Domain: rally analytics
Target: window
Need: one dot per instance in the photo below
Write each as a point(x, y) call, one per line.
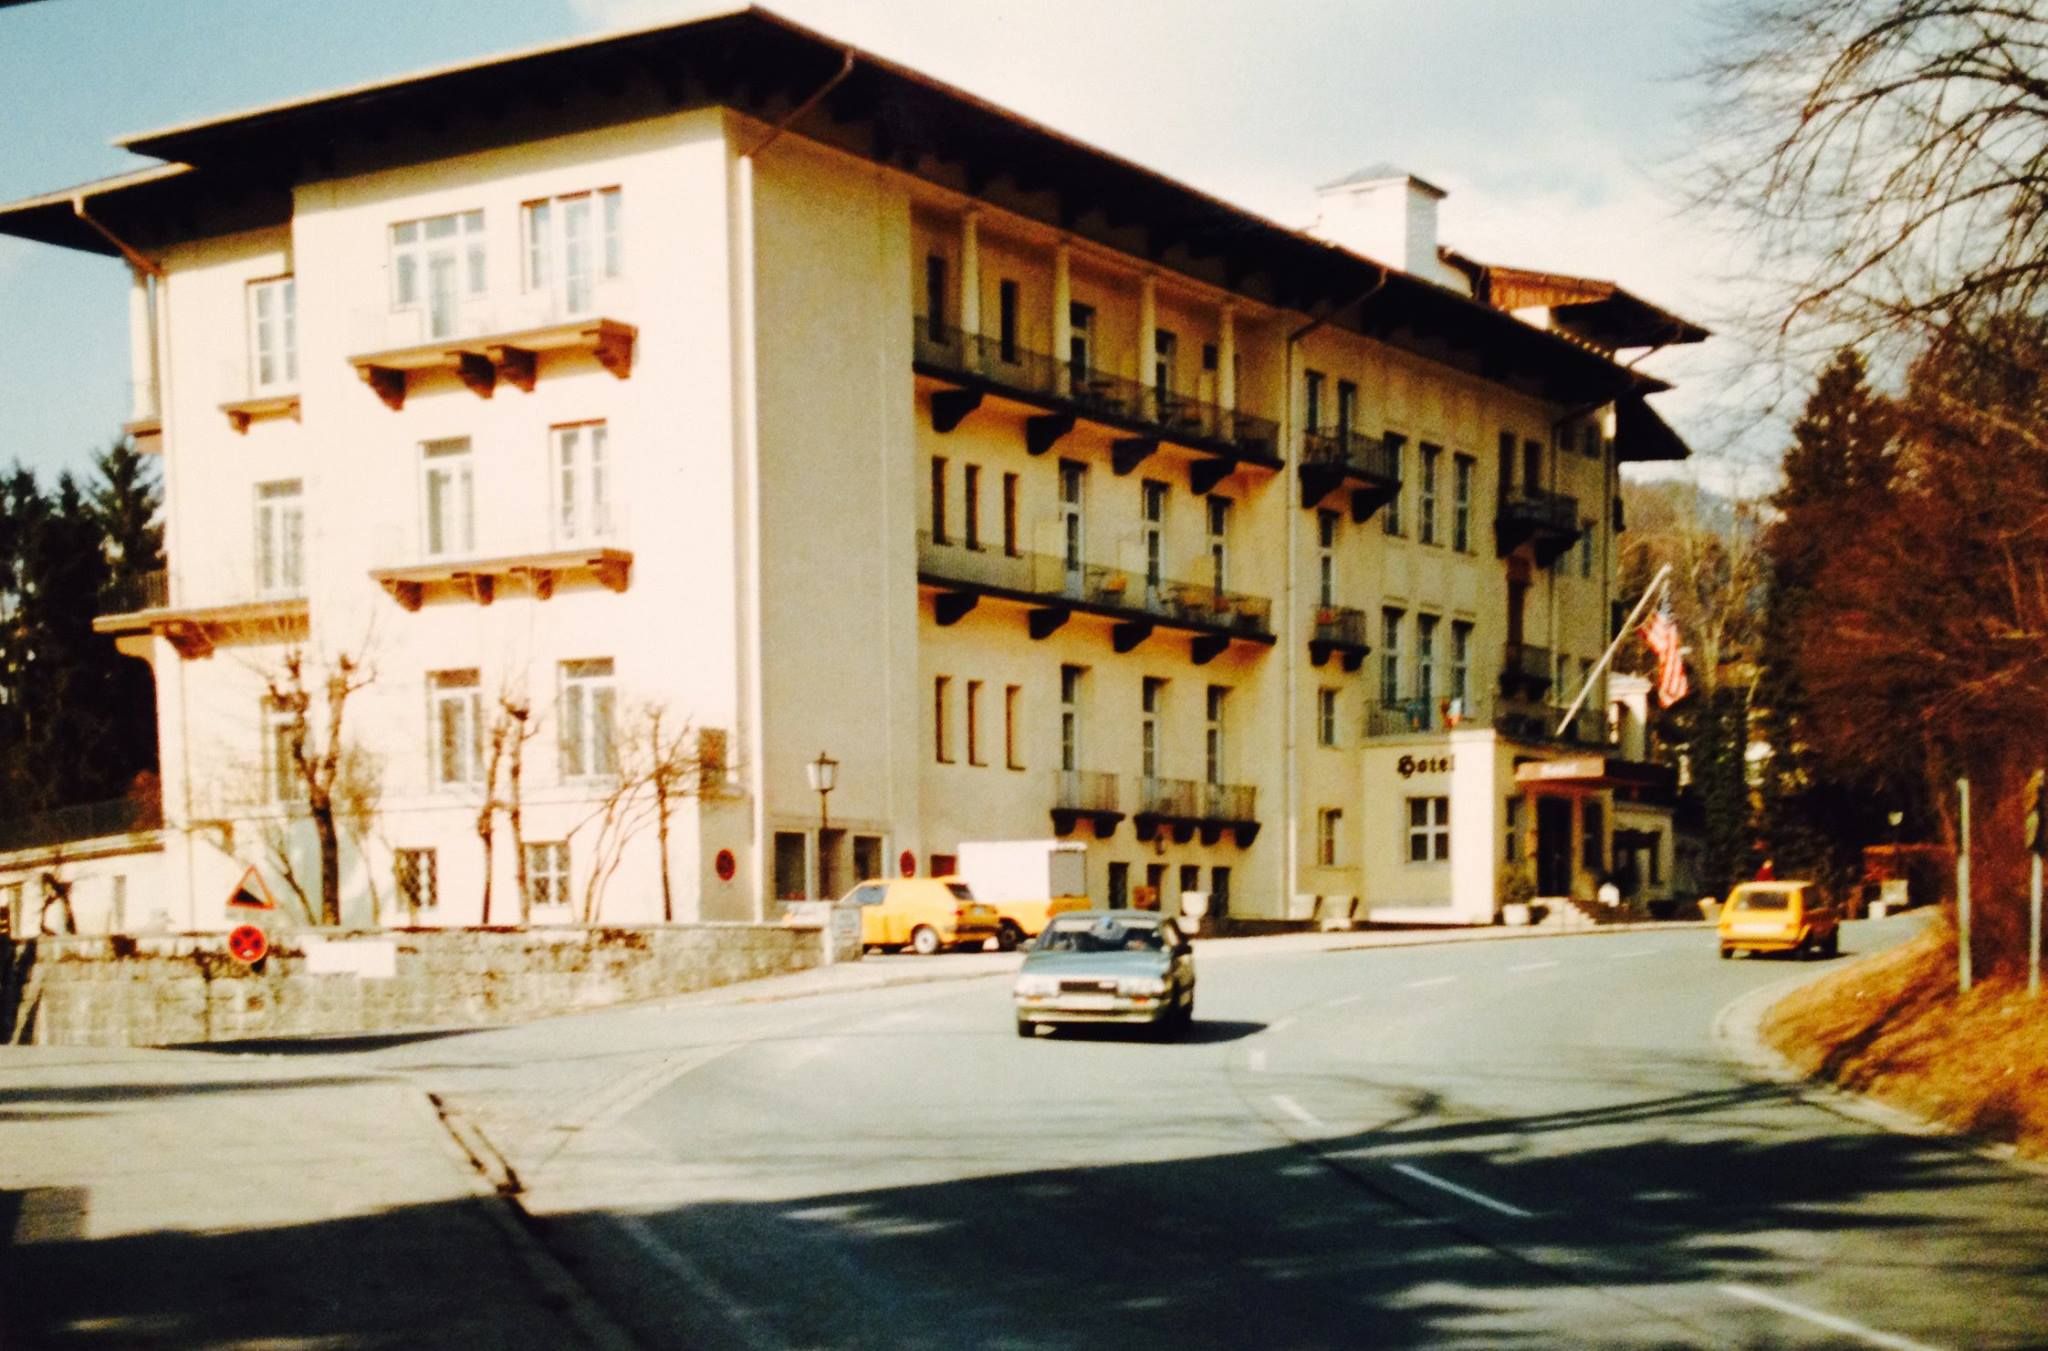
point(1347, 412)
point(1165, 347)
point(1586, 548)
point(1429, 829)
point(938, 499)
point(942, 706)
point(1150, 697)
point(1215, 767)
point(415, 878)
point(867, 856)
point(1326, 558)
point(1190, 877)
point(1070, 717)
point(280, 539)
point(1589, 441)
point(281, 767)
point(1219, 892)
point(1532, 465)
point(1312, 400)
point(1013, 696)
point(1006, 311)
point(1154, 512)
point(547, 873)
point(436, 263)
point(1512, 845)
point(790, 882)
point(1219, 543)
point(1390, 656)
point(1461, 662)
point(567, 263)
point(273, 335)
point(1462, 467)
point(1390, 519)
point(583, 482)
point(448, 492)
point(974, 722)
point(970, 516)
point(1432, 460)
point(1119, 885)
point(1425, 658)
point(455, 717)
point(1326, 717)
point(1329, 823)
point(1010, 515)
point(1080, 341)
point(586, 722)
point(1592, 836)
point(1071, 472)
point(935, 297)
point(1507, 464)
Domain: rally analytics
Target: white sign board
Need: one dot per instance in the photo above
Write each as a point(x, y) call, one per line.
point(364, 958)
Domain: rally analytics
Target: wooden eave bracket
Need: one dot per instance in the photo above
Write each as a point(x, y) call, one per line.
point(191, 639)
point(388, 382)
point(241, 412)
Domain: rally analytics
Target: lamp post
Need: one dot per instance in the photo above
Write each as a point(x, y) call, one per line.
point(824, 774)
point(1897, 818)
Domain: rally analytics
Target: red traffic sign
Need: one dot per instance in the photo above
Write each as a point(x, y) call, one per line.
point(247, 944)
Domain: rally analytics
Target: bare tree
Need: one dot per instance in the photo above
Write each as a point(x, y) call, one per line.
point(1718, 570)
point(487, 814)
point(662, 761)
point(313, 748)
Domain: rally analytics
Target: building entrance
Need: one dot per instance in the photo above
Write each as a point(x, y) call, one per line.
point(1553, 846)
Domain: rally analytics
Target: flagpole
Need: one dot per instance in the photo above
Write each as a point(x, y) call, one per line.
point(1627, 627)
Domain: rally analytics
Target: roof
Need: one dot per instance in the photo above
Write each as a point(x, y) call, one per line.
point(243, 167)
point(1382, 172)
point(1595, 311)
point(1641, 436)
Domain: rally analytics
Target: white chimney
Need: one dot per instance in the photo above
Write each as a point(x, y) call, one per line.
point(1389, 215)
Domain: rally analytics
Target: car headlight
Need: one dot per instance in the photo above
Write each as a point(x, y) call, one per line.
point(1035, 987)
point(1142, 985)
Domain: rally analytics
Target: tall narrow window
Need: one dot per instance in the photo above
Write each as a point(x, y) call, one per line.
point(1154, 528)
point(938, 499)
point(1425, 659)
point(281, 765)
point(587, 723)
point(448, 497)
point(1532, 466)
point(1507, 465)
point(1461, 661)
point(1511, 820)
point(455, 711)
point(1006, 311)
point(1461, 503)
point(970, 502)
point(1072, 543)
point(974, 722)
point(583, 482)
point(1070, 717)
point(280, 539)
point(935, 306)
point(942, 714)
point(1312, 400)
point(1165, 350)
point(1586, 547)
point(1390, 515)
point(273, 335)
point(1390, 656)
point(436, 264)
point(1214, 738)
point(1080, 343)
point(1329, 825)
point(1589, 441)
point(1347, 412)
point(1326, 717)
point(1219, 544)
point(1150, 697)
point(1013, 696)
point(1326, 558)
point(1432, 462)
point(573, 243)
point(1010, 515)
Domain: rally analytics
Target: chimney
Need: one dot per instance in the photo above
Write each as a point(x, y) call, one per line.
point(1389, 215)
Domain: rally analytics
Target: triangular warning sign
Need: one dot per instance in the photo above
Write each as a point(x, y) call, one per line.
point(251, 894)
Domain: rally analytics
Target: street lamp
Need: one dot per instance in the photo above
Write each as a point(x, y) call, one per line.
point(1897, 818)
point(824, 774)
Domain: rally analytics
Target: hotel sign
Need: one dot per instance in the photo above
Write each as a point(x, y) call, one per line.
point(1581, 768)
point(1408, 766)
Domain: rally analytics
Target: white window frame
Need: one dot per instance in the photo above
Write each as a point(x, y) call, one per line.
point(1425, 526)
point(1214, 748)
point(1152, 508)
point(1463, 469)
point(568, 265)
point(547, 873)
point(447, 466)
point(281, 774)
point(1218, 521)
point(1461, 660)
point(1326, 717)
point(1390, 655)
point(1152, 690)
point(281, 538)
point(455, 729)
point(583, 472)
point(1427, 827)
point(1326, 559)
point(1426, 626)
point(273, 335)
point(586, 720)
point(456, 237)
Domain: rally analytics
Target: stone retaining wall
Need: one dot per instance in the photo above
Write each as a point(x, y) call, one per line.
point(172, 989)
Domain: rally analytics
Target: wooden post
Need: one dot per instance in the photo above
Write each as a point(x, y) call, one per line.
point(1963, 887)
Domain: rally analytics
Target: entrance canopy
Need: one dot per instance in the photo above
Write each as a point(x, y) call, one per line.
point(1595, 772)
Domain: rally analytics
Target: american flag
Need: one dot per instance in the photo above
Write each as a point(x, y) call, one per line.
point(1660, 631)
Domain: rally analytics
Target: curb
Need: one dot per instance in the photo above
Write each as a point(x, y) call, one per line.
point(1738, 1031)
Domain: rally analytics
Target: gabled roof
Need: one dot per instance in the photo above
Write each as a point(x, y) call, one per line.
point(1598, 312)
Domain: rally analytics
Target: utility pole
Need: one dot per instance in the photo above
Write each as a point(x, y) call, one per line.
point(2037, 845)
point(1963, 887)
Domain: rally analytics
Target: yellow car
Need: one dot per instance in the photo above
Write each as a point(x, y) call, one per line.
point(926, 913)
point(1020, 920)
point(1795, 917)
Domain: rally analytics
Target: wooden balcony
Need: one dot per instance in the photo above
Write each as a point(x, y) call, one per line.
point(513, 357)
point(480, 579)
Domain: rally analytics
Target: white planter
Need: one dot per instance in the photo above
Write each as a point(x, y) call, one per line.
point(1515, 914)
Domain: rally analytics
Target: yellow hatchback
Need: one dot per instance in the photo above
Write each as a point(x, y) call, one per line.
point(1794, 917)
point(926, 913)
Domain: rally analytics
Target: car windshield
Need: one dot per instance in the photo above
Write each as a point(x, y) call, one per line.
point(1097, 935)
point(1763, 900)
point(960, 891)
point(870, 893)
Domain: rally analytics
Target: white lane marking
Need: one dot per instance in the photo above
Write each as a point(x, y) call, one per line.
point(740, 1321)
point(1533, 966)
point(1282, 1025)
point(1477, 1198)
point(1637, 952)
point(1425, 984)
point(1347, 999)
point(1833, 1322)
point(898, 1019)
point(1256, 1058)
point(1299, 1113)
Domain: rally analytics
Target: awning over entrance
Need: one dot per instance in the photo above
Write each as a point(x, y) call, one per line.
point(1597, 771)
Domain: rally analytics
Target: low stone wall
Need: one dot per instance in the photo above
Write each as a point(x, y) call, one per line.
point(172, 989)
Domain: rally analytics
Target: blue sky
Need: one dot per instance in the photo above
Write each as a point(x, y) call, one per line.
point(1555, 126)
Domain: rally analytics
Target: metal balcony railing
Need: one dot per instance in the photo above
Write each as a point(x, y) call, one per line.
point(1174, 799)
point(131, 595)
point(1412, 717)
point(1350, 451)
point(1085, 790)
point(1339, 626)
point(1535, 508)
point(1525, 663)
point(1231, 802)
point(1541, 723)
point(1096, 394)
point(84, 821)
point(1123, 591)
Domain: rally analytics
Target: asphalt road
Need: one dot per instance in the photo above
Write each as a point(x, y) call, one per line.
point(1532, 1143)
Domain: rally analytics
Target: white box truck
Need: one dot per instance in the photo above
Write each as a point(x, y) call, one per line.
point(1027, 881)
